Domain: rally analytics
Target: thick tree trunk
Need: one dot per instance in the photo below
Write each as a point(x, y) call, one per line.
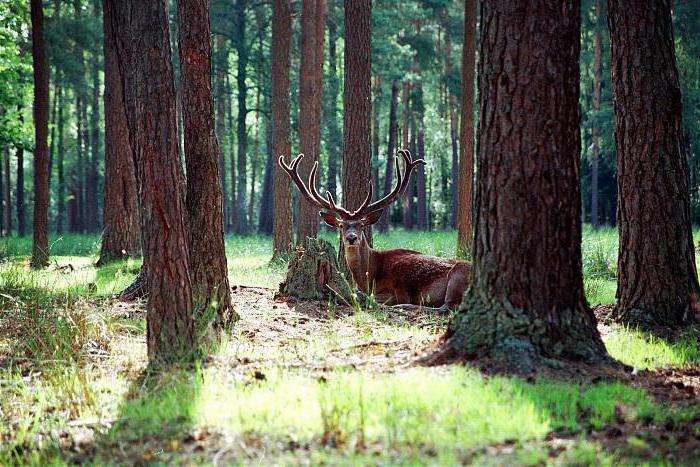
point(310, 91)
point(330, 112)
point(391, 148)
point(60, 167)
point(526, 302)
point(283, 228)
point(597, 81)
point(19, 197)
point(121, 237)
point(241, 128)
point(40, 247)
point(144, 58)
point(357, 105)
point(657, 279)
point(208, 267)
point(465, 178)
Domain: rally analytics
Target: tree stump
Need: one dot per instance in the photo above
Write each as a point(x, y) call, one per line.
point(313, 273)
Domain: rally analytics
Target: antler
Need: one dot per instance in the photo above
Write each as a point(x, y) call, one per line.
point(309, 192)
point(399, 189)
point(328, 203)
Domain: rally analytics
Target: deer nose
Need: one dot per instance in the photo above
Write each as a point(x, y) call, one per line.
point(351, 238)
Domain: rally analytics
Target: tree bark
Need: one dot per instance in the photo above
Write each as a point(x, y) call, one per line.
point(420, 184)
point(465, 178)
point(220, 99)
point(3, 154)
point(407, 196)
point(19, 197)
point(40, 247)
point(526, 303)
point(121, 237)
point(310, 91)
point(357, 105)
point(330, 112)
point(597, 81)
point(283, 228)
point(391, 149)
point(60, 166)
point(657, 278)
point(241, 128)
point(266, 218)
point(144, 58)
point(208, 267)
point(92, 182)
point(8, 194)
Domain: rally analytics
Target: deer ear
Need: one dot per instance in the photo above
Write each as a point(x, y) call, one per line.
point(330, 219)
point(372, 217)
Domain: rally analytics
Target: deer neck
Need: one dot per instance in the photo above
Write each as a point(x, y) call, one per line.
point(360, 261)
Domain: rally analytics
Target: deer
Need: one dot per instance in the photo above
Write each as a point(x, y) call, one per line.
point(398, 277)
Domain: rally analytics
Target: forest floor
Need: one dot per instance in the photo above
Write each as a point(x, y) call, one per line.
point(314, 382)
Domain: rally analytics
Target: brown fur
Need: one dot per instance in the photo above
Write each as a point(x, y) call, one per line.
point(408, 277)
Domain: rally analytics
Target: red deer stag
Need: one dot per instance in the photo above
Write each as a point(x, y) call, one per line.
point(397, 277)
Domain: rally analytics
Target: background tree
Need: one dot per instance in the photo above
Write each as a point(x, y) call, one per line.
point(466, 134)
point(516, 311)
point(357, 103)
point(121, 237)
point(208, 267)
point(144, 58)
point(310, 91)
point(283, 231)
point(40, 249)
point(657, 278)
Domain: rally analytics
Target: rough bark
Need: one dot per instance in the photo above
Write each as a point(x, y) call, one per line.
point(19, 198)
point(357, 105)
point(597, 81)
point(121, 237)
point(406, 199)
point(313, 273)
point(526, 304)
point(465, 179)
point(60, 166)
point(330, 112)
point(208, 267)
point(40, 247)
point(241, 128)
point(220, 75)
point(657, 278)
point(391, 149)
point(144, 58)
point(283, 228)
point(310, 92)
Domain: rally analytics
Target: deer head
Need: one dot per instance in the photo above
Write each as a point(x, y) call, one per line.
point(350, 223)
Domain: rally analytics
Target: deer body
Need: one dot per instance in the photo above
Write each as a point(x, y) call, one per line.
point(396, 277)
point(408, 277)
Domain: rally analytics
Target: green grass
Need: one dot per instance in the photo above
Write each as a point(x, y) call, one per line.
point(64, 357)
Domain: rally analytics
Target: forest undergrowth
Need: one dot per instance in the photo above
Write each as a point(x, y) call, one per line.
point(313, 382)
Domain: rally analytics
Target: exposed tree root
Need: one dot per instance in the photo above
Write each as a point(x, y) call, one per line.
point(137, 289)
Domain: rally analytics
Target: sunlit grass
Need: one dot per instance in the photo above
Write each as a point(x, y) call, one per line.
point(642, 350)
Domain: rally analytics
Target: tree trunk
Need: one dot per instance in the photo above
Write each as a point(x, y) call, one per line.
point(19, 198)
point(144, 57)
point(357, 105)
point(208, 267)
point(3, 155)
point(266, 217)
point(406, 201)
point(657, 279)
point(420, 183)
point(283, 228)
point(526, 304)
point(92, 182)
point(220, 98)
point(40, 247)
point(234, 215)
point(60, 166)
point(330, 112)
point(121, 237)
point(389, 174)
point(8, 194)
point(310, 92)
point(465, 178)
point(375, 134)
point(597, 81)
point(241, 128)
